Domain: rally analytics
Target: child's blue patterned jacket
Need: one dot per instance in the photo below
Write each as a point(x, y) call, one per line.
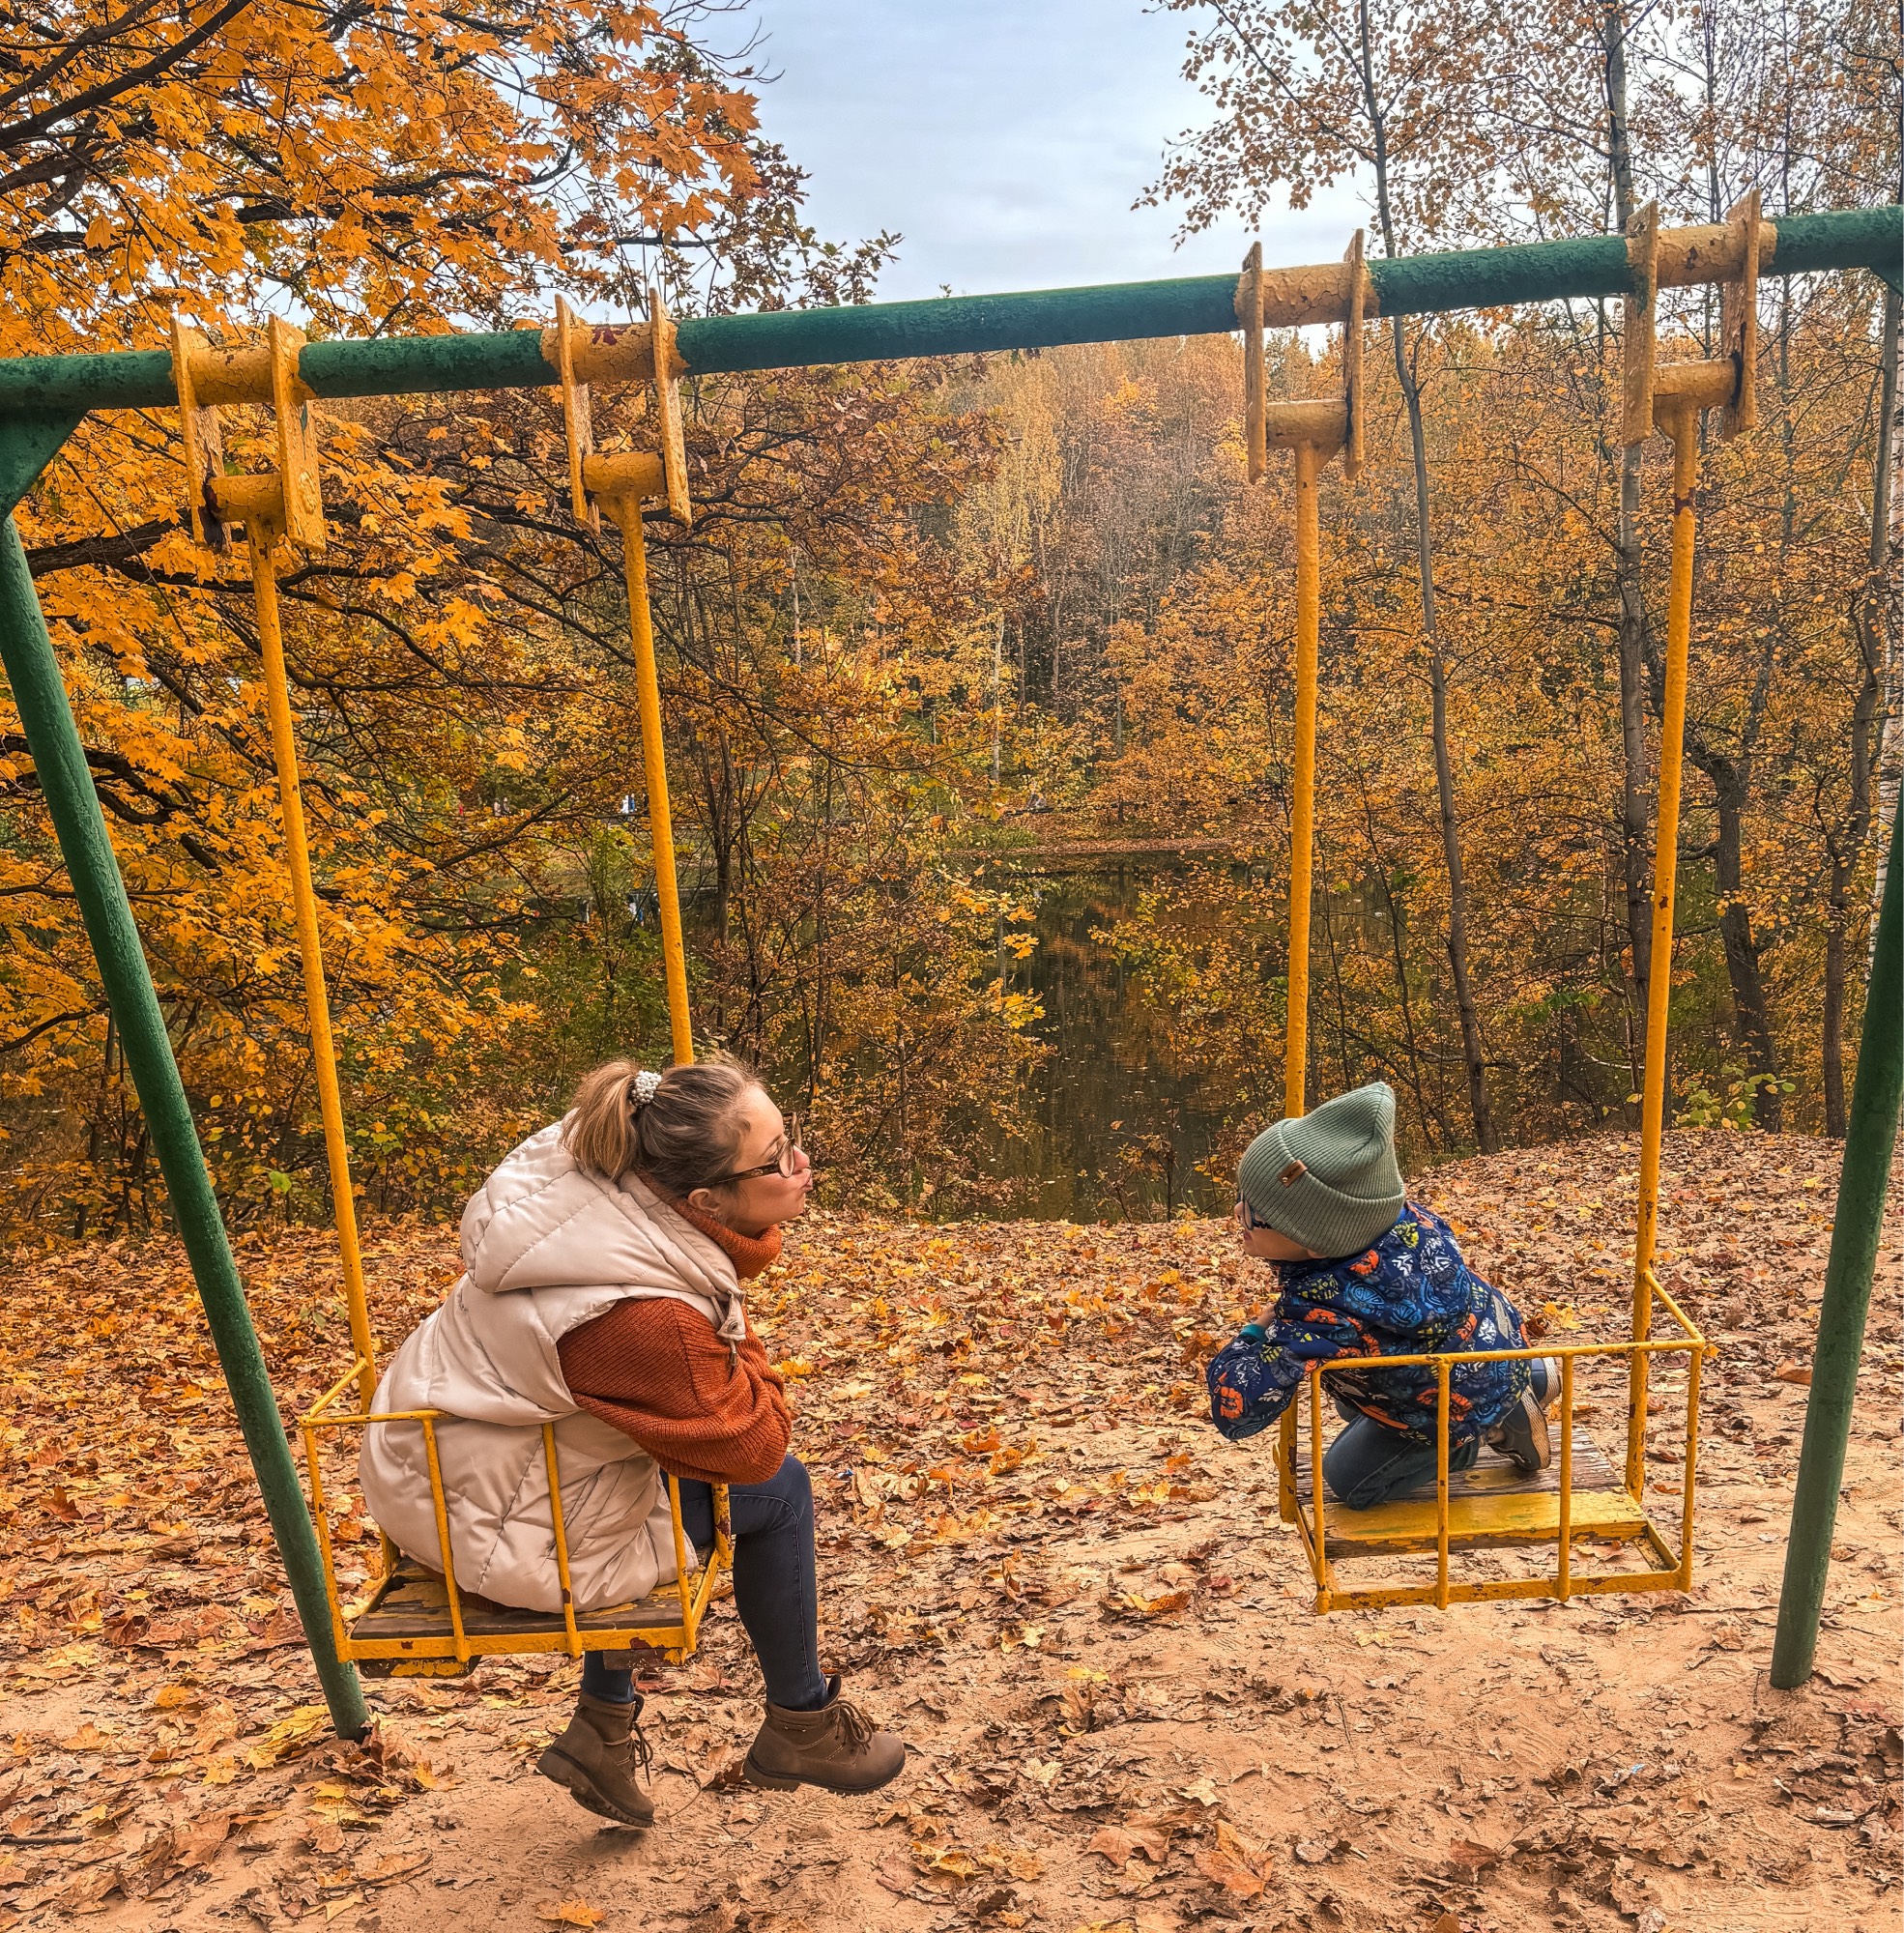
point(1411, 1294)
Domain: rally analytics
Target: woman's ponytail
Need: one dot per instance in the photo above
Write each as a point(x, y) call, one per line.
point(678, 1130)
point(600, 1130)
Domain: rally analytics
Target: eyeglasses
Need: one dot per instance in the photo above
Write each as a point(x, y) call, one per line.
point(1246, 1215)
point(783, 1163)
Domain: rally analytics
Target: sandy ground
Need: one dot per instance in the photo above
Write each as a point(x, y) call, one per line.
point(1040, 1566)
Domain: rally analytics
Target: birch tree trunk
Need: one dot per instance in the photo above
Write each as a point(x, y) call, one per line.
point(1636, 848)
point(1472, 1058)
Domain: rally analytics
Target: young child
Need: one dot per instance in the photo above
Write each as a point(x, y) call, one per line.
point(1364, 1272)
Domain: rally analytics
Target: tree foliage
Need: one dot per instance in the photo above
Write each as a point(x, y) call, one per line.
point(927, 616)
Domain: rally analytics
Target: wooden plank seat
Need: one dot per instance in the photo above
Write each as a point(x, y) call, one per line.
point(411, 1611)
point(1492, 1504)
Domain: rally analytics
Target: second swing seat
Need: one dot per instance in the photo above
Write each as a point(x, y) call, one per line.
point(1493, 1502)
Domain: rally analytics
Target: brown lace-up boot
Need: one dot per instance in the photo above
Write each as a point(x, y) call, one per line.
point(597, 1758)
point(835, 1747)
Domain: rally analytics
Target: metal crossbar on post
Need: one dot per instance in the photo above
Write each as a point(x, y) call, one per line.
point(42, 398)
point(1587, 268)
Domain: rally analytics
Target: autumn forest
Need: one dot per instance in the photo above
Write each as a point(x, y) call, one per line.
point(934, 620)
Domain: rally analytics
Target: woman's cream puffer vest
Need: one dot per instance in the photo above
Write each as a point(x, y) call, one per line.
point(546, 1248)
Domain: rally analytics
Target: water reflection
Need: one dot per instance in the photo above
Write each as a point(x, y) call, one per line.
point(1123, 1119)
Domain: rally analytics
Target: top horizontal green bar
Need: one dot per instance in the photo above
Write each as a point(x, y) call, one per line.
point(1870, 238)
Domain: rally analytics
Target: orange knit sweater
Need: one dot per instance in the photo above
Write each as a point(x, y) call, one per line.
point(658, 1373)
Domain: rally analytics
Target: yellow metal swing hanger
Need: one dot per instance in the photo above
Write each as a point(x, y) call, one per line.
point(413, 1621)
point(1491, 1509)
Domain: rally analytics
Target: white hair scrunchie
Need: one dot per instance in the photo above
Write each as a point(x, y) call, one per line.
point(646, 1085)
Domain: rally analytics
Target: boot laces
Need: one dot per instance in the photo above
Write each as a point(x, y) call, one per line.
point(635, 1745)
point(855, 1727)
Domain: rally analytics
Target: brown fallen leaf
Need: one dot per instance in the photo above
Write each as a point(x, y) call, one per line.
point(1226, 1863)
point(569, 1913)
point(1153, 1844)
point(1471, 1856)
point(1108, 1842)
point(276, 1631)
point(732, 1777)
point(1133, 1605)
point(1120, 1844)
point(390, 1867)
point(1793, 1371)
point(896, 1876)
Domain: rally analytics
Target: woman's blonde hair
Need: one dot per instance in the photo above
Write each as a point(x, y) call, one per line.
point(684, 1135)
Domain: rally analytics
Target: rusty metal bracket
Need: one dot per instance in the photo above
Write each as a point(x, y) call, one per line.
point(577, 417)
point(204, 445)
point(1354, 447)
point(288, 502)
point(667, 366)
point(582, 352)
point(1739, 319)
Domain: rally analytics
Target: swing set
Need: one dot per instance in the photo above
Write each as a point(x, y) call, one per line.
point(413, 1621)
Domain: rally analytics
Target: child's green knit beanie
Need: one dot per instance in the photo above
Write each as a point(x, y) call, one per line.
point(1329, 1179)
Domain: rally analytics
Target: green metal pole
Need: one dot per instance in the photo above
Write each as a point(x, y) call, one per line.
point(1871, 1140)
point(60, 761)
point(1586, 267)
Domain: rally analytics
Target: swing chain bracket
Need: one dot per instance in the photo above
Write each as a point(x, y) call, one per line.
point(1327, 424)
point(1654, 396)
point(583, 353)
point(284, 503)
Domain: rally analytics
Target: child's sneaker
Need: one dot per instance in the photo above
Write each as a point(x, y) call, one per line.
point(1522, 1434)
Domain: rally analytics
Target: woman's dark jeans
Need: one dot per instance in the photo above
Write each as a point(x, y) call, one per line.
point(773, 1585)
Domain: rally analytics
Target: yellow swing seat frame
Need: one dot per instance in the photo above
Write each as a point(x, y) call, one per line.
point(412, 1620)
point(1493, 1506)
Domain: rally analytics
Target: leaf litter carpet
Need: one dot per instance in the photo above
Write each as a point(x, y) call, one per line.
point(1038, 1563)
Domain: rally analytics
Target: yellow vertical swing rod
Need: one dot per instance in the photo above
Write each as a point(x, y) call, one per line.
point(1680, 420)
point(1301, 809)
point(261, 536)
point(626, 510)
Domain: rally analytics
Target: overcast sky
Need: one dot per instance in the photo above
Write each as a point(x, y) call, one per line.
point(1006, 142)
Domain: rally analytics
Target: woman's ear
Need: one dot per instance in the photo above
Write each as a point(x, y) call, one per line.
point(704, 1201)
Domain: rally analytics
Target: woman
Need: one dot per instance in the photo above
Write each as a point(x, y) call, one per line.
point(605, 1259)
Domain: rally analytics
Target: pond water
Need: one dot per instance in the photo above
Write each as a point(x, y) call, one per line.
point(1122, 1120)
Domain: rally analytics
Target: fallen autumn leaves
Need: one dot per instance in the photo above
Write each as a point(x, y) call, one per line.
point(1037, 1562)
